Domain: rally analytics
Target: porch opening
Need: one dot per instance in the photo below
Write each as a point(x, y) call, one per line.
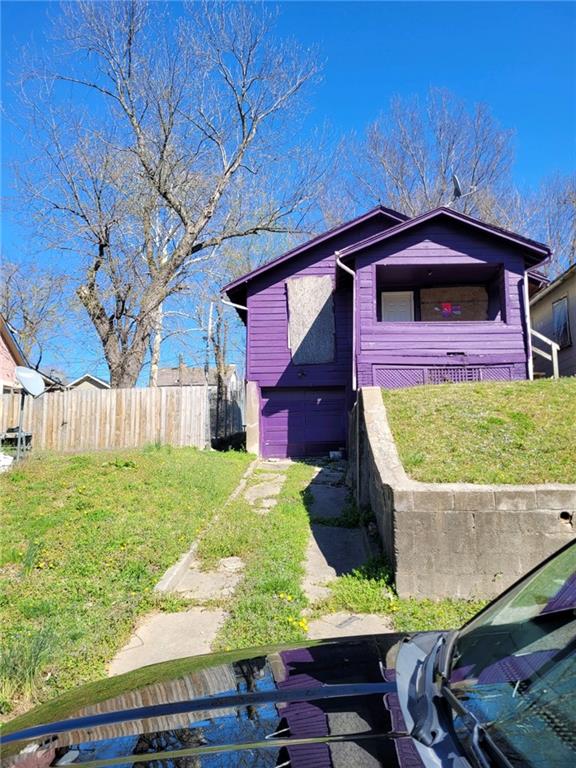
point(440, 293)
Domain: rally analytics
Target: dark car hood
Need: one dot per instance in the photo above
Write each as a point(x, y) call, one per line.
point(325, 704)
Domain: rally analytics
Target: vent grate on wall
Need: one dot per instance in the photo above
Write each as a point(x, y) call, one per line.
point(453, 374)
point(393, 377)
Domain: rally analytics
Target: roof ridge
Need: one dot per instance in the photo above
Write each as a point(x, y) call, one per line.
point(316, 240)
point(427, 215)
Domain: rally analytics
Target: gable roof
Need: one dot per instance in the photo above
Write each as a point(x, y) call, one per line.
point(535, 252)
point(379, 211)
point(569, 273)
point(98, 382)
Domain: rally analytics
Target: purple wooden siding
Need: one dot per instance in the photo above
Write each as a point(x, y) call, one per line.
point(386, 349)
point(302, 422)
point(303, 407)
point(268, 356)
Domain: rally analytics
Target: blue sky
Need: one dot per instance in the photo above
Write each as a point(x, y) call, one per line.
point(519, 57)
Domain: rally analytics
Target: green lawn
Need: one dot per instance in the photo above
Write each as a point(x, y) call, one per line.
point(370, 589)
point(84, 540)
point(520, 432)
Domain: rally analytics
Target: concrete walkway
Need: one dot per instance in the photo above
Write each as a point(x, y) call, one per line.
point(166, 636)
point(334, 551)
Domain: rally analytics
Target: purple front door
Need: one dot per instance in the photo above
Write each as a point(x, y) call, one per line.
point(302, 422)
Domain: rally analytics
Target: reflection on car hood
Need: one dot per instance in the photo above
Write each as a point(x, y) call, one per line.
point(323, 704)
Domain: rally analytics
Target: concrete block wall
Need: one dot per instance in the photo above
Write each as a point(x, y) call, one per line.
point(454, 539)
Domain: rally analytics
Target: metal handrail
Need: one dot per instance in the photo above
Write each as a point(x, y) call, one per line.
point(554, 349)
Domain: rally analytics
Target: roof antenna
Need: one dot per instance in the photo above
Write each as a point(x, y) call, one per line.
point(457, 193)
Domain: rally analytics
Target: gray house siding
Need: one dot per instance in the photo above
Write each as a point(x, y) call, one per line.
point(542, 320)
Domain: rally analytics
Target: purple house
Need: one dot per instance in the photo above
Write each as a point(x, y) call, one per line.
point(384, 301)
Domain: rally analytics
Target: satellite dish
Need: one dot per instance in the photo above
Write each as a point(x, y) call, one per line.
point(31, 381)
point(457, 187)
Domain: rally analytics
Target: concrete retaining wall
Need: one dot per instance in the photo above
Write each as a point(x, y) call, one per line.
point(454, 539)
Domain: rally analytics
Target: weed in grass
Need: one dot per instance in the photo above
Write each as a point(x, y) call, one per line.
point(30, 556)
point(23, 659)
point(167, 602)
point(368, 589)
point(120, 463)
point(413, 615)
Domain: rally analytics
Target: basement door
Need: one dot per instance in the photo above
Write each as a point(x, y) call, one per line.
point(298, 422)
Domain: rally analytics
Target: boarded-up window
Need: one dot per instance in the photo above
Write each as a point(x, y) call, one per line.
point(454, 303)
point(311, 320)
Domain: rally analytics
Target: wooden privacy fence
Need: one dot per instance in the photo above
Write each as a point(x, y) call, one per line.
point(78, 420)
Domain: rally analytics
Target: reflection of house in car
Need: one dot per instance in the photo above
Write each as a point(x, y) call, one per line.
point(385, 301)
point(553, 312)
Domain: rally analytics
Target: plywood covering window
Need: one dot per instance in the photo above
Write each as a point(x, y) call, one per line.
point(454, 303)
point(311, 319)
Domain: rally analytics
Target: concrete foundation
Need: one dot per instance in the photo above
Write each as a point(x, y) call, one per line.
point(454, 539)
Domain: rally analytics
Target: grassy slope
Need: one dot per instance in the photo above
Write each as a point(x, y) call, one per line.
point(85, 539)
point(521, 432)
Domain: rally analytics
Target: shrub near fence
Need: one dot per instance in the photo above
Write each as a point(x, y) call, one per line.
point(78, 420)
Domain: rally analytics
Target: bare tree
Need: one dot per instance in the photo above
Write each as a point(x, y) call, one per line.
point(183, 134)
point(547, 214)
point(32, 302)
point(554, 220)
point(409, 155)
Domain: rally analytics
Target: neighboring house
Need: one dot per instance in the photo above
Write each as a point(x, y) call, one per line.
point(185, 376)
point(11, 356)
point(553, 313)
point(381, 300)
point(88, 381)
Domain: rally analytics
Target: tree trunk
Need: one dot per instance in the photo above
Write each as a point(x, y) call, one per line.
point(126, 364)
point(156, 344)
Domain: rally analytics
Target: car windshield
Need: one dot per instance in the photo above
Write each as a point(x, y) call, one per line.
point(514, 669)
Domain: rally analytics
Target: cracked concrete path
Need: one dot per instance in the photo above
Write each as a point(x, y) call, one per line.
point(202, 586)
point(334, 551)
point(343, 624)
point(167, 636)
